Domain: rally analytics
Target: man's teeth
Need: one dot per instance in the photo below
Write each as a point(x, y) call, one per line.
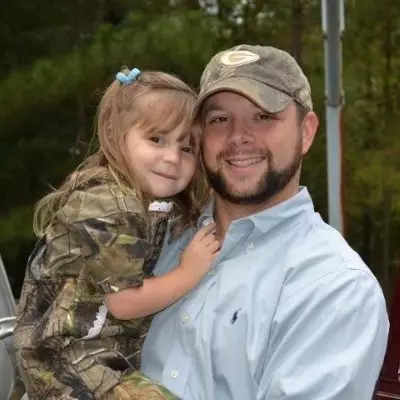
point(244, 163)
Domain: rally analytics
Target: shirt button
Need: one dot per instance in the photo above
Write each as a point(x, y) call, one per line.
point(185, 318)
point(250, 246)
point(207, 221)
point(174, 374)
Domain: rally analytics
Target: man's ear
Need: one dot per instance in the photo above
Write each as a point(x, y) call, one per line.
point(309, 128)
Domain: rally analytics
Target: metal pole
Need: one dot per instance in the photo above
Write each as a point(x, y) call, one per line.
point(333, 27)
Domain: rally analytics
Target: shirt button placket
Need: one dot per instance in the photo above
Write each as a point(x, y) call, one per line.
point(185, 318)
point(250, 246)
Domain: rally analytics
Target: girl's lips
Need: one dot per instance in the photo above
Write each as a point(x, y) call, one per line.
point(167, 176)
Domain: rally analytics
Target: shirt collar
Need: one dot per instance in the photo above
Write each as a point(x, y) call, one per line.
point(206, 215)
point(289, 211)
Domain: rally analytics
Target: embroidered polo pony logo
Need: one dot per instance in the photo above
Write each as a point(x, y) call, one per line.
point(235, 316)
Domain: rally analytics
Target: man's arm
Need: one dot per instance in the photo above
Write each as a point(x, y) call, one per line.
point(328, 340)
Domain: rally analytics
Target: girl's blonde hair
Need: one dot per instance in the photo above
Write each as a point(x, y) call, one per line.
point(122, 107)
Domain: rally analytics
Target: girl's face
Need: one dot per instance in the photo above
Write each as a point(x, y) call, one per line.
point(163, 159)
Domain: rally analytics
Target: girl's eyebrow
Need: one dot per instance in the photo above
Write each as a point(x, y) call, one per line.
point(181, 138)
point(152, 132)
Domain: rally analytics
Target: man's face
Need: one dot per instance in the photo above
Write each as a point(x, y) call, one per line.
point(250, 155)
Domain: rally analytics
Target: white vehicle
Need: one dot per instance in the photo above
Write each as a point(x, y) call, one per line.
point(8, 376)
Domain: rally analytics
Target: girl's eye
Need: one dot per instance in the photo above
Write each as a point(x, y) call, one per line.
point(187, 149)
point(157, 139)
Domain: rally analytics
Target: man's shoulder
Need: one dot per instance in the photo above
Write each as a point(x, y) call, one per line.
point(319, 252)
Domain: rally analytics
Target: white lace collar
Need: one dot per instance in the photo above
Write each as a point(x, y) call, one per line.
point(163, 206)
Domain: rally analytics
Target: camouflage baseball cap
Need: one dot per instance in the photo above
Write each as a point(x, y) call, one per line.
point(269, 77)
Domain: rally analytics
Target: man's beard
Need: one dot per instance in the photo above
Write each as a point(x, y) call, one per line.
point(272, 182)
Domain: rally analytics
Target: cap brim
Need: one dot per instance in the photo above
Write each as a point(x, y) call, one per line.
point(264, 96)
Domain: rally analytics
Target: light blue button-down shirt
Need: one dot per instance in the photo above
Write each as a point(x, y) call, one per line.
point(289, 311)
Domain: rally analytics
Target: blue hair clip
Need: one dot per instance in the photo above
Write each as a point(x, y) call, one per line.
point(130, 78)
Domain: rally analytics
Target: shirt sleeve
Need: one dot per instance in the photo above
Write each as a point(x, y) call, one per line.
point(328, 341)
point(108, 231)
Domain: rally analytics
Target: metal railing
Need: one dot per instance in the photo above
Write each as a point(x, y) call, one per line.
point(9, 377)
point(7, 325)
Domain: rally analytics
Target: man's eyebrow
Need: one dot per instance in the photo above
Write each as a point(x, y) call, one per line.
point(211, 107)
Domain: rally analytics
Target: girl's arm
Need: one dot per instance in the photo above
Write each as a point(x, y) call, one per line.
point(159, 292)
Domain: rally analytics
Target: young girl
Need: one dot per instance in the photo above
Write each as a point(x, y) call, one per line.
point(89, 289)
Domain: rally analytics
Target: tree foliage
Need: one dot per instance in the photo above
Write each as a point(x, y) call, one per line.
point(57, 58)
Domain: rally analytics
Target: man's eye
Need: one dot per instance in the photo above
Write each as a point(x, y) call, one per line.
point(218, 120)
point(265, 116)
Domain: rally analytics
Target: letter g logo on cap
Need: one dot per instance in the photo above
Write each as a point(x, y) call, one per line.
point(238, 57)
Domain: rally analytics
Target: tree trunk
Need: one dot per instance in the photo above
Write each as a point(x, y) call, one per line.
point(387, 191)
point(367, 237)
point(297, 29)
point(387, 213)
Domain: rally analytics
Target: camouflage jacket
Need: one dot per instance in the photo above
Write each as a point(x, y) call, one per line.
point(68, 346)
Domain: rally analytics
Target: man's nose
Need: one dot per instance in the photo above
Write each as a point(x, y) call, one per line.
point(240, 133)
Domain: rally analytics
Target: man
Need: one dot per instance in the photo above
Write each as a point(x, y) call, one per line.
point(289, 310)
